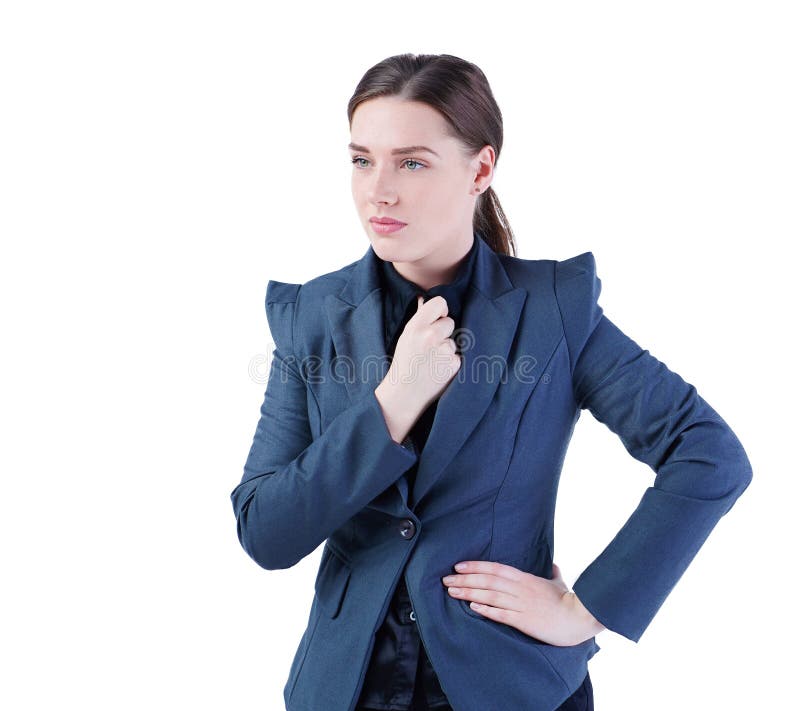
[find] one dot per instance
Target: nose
(381, 190)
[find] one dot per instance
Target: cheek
(361, 200)
(452, 189)
(444, 203)
(358, 181)
(430, 196)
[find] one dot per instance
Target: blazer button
(407, 528)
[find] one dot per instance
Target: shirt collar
(401, 292)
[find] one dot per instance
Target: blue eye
(355, 161)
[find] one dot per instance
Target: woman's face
(432, 191)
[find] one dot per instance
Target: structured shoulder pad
(280, 303)
(281, 292)
(578, 265)
(578, 290)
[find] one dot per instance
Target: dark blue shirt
(398, 659)
(400, 295)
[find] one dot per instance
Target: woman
(406, 471)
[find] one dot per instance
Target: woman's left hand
(541, 608)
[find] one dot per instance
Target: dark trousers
(582, 699)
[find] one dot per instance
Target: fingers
(495, 590)
(447, 325)
(502, 570)
(433, 309)
(496, 598)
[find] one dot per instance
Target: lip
(386, 228)
(385, 221)
(385, 225)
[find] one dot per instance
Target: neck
(439, 267)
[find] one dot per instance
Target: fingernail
(460, 566)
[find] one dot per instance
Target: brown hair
(460, 92)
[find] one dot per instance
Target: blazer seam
(294, 353)
(516, 438)
(560, 312)
(564, 332)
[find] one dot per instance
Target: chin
(386, 252)
(390, 251)
(387, 247)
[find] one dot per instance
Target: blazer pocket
(331, 583)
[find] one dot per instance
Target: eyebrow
(396, 151)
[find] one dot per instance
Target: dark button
(407, 528)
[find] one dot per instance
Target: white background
(161, 161)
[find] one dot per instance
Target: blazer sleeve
(700, 465)
(296, 490)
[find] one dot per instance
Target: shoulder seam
(561, 314)
(300, 368)
(294, 319)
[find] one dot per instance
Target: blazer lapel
(356, 319)
(355, 315)
(489, 321)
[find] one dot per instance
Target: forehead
(386, 124)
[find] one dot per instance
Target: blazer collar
(489, 320)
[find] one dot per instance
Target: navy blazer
(324, 468)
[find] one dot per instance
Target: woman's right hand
(424, 363)
(425, 358)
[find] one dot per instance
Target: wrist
(592, 625)
(396, 412)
